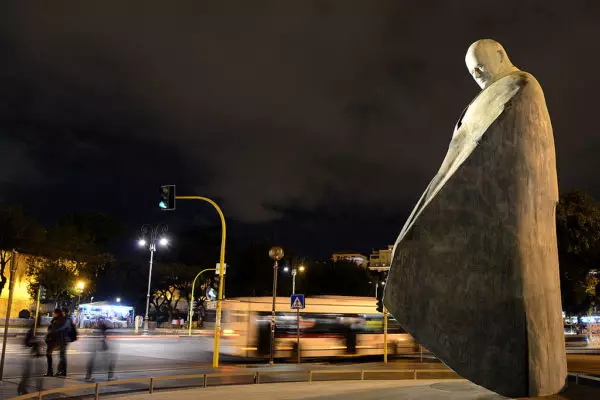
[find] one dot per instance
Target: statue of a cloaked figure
(474, 275)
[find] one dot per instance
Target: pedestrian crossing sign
(297, 302)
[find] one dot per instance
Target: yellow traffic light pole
(222, 270)
(191, 311)
(385, 335)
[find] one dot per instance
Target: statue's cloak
(474, 275)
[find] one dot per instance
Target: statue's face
(481, 74)
(487, 61)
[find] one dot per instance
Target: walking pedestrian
(31, 364)
(99, 346)
(56, 339)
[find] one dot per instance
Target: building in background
(380, 260)
(351, 256)
(21, 298)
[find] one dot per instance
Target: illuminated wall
(21, 299)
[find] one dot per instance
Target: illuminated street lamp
(150, 237)
(276, 253)
(118, 299)
(80, 287)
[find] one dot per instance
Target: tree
(76, 248)
(83, 239)
(578, 233)
(17, 231)
(57, 276)
(172, 283)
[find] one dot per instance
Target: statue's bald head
(487, 61)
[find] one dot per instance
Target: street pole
(385, 335)
(297, 318)
(272, 353)
(152, 249)
(37, 310)
(221, 268)
(11, 289)
(192, 299)
(276, 253)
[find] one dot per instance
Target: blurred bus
(330, 326)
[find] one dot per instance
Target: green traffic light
(162, 204)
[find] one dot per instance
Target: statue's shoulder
(525, 81)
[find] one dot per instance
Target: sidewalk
(366, 390)
(355, 390)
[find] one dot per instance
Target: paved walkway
(356, 390)
(337, 390)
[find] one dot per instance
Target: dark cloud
(271, 105)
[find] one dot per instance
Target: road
(140, 356)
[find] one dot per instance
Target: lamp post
(151, 237)
(276, 253)
(294, 273)
(80, 287)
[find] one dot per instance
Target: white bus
(330, 326)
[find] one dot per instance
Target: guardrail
(256, 379)
(256, 375)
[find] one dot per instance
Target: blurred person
(33, 343)
(99, 345)
(56, 339)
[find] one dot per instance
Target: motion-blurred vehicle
(576, 340)
(330, 326)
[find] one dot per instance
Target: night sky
(316, 124)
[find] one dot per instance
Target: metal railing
(255, 375)
(256, 379)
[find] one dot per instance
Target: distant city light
(301, 268)
(286, 269)
(164, 241)
(142, 242)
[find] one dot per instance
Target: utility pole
(276, 253)
(11, 289)
(153, 237)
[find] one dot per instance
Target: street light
(276, 253)
(118, 299)
(294, 272)
(80, 287)
(153, 235)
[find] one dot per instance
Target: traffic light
(380, 305)
(167, 197)
(43, 293)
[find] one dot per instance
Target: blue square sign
(297, 302)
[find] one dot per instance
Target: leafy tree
(76, 248)
(57, 276)
(17, 231)
(172, 282)
(578, 232)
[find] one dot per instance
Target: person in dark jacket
(56, 338)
